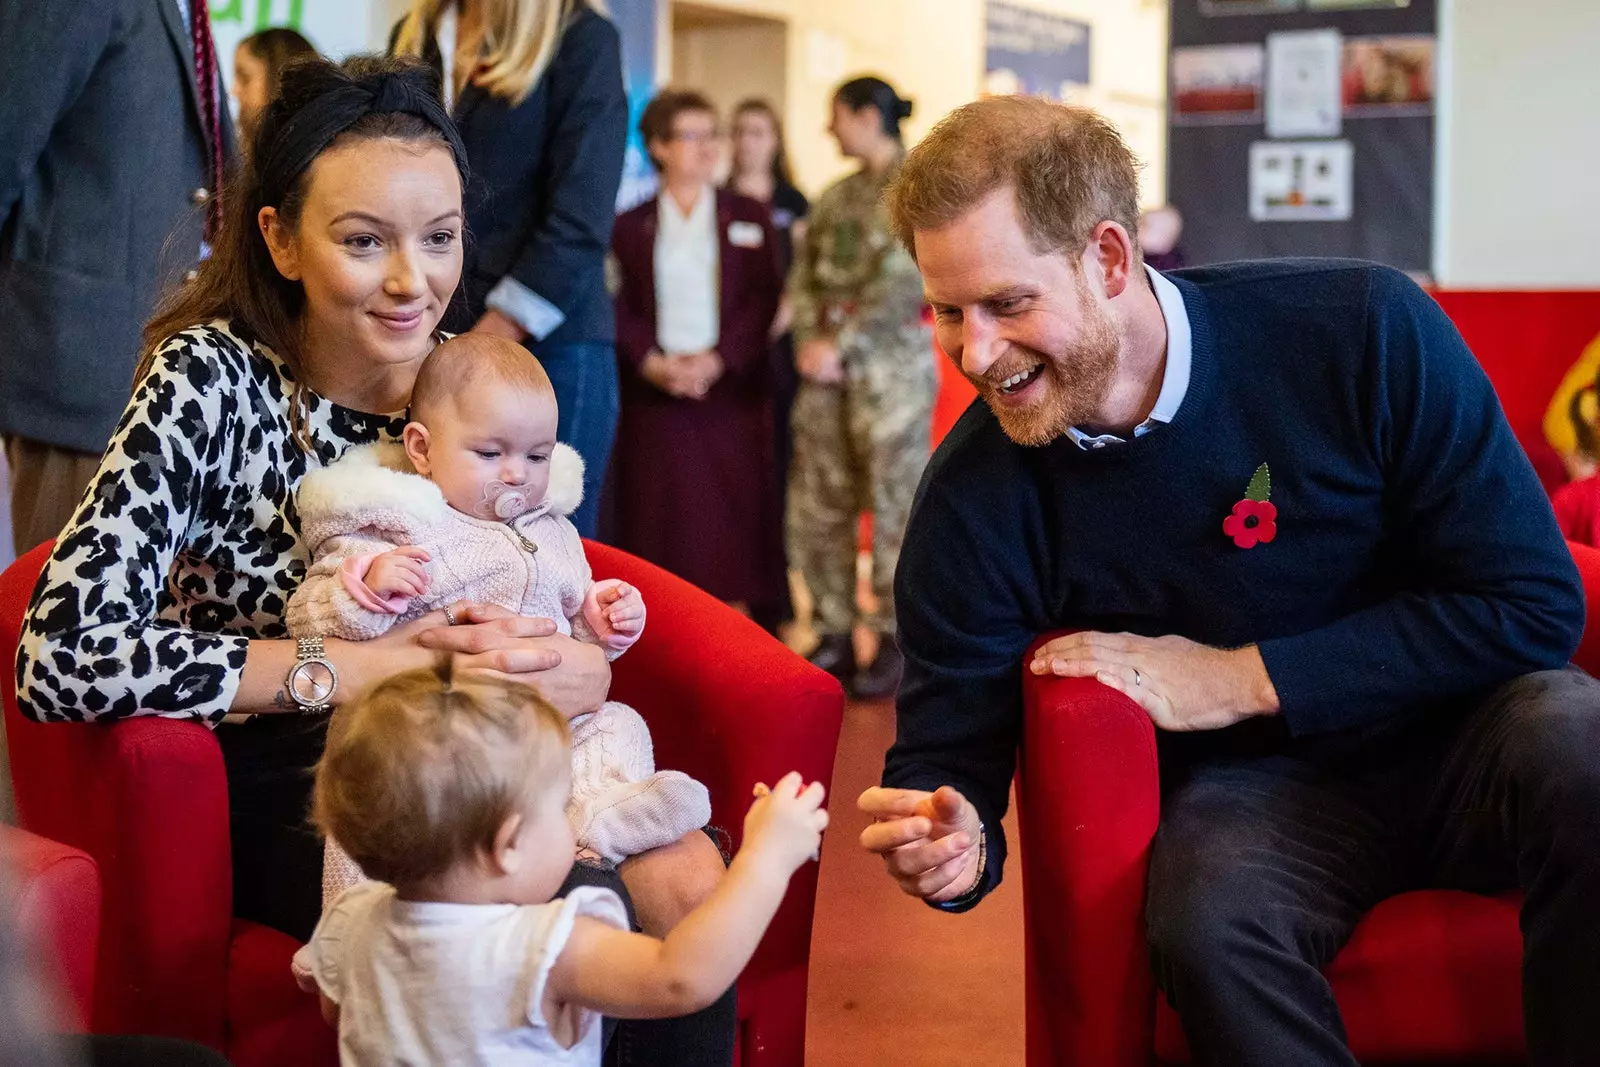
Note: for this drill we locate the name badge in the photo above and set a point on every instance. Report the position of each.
(744, 235)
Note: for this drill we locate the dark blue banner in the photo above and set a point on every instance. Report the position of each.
(1034, 52)
(637, 21)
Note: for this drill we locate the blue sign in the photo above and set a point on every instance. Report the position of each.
(1034, 53)
(637, 22)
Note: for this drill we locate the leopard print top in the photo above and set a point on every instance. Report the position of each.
(186, 544)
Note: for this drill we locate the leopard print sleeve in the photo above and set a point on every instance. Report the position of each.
(111, 633)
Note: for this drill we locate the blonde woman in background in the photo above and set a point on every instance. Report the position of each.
(535, 87)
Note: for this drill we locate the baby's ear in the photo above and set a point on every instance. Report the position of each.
(504, 858)
(415, 439)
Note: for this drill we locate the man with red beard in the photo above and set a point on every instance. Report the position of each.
(1283, 508)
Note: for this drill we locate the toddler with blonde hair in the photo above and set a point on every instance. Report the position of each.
(451, 789)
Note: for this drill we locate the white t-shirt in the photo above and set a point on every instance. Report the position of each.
(461, 984)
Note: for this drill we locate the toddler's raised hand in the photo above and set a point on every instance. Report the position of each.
(614, 610)
(784, 826)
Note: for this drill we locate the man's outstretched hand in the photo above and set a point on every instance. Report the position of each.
(928, 841)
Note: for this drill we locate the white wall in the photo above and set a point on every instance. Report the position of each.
(1517, 196)
(932, 51)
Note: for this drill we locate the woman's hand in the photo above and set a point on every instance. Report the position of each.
(687, 377)
(571, 675)
(501, 325)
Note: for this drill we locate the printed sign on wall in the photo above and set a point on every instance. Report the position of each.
(1034, 53)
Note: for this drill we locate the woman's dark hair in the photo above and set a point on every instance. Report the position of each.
(781, 174)
(319, 104)
(662, 112)
(275, 47)
(858, 93)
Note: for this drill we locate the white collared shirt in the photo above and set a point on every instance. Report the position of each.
(1174, 381)
(688, 301)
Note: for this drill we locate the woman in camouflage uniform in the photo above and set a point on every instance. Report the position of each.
(865, 406)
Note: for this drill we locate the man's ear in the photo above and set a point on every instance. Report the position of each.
(415, 439)
(281, 244)
(1109, 257)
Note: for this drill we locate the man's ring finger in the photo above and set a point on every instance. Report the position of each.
(1138, 679)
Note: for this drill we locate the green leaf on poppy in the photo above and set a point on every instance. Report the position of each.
(1260, 484)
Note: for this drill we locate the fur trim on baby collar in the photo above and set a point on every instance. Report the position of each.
(381, 476)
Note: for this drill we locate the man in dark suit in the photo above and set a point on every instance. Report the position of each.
(110, 151)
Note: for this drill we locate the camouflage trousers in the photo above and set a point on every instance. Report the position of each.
(859, 446)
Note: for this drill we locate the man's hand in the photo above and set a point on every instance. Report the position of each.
(928, 841)
(1180, 684)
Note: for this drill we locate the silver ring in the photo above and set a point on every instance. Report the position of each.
(1138, 679)
(450, 615)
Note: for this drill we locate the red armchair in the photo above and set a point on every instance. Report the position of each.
(53, 897)
(1427, 976)
(147, 798)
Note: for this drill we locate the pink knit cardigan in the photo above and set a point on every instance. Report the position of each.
(372, 500)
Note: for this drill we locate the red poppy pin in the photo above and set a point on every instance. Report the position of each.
(1255, 518)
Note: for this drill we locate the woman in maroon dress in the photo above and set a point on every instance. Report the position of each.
(700, 282)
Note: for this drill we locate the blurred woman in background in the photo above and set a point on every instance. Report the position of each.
(535, 87)
(700, 283)
(257, 63)
(761, 172)
(864, 413)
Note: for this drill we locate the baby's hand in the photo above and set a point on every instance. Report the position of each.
(400, 572)
(614, 610)
(784, 826)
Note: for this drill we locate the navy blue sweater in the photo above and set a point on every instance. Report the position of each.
(1416, 561)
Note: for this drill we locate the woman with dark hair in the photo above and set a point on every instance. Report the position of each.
(258, 63)
(300, 338)
(699, 286)
(761, 172)
(536, 89)
(864, 412)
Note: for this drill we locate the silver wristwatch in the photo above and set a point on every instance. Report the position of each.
(312, 681)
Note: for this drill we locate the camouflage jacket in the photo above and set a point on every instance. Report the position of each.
(850, 275)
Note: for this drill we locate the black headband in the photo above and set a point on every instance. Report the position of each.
(304, 134)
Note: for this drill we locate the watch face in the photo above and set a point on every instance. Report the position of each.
(312, 683)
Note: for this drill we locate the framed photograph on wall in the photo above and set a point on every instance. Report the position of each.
(1247, 7)
(1350, 5)
(1217, 84)
(1301, 181)
(1387, 76)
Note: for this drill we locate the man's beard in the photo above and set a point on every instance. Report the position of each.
(1074, 385)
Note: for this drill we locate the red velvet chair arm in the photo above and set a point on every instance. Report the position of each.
(1088, 800)
(731, 706)
(54, 899)
(148, 799)
(1588, 561)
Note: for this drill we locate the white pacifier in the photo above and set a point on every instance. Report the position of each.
(504, 502)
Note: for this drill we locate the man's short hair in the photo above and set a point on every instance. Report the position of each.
(1068, 167)
(475, 360)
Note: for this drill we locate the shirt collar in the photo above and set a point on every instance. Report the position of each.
(1175, 379)
(697, 215)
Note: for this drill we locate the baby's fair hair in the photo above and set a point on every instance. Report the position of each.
(475, 361)
(422, 771)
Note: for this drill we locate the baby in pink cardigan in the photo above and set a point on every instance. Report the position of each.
(473, 506)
